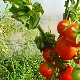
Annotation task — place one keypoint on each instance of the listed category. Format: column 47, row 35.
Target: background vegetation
column 19, row 58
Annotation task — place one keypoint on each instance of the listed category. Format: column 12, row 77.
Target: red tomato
column 72, row 43
column 48, row 54
column 69, row 69
column 45, row 70
column 65, row 51
column 47, row 79
column 65, row 76
column 62, row 26
column 70, row 33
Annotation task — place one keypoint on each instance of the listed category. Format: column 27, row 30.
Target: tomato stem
column 40, row 29
column 66, row 10
column 42, row 32
column 78, row 1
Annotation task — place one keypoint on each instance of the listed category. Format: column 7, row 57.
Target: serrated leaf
column 18, row 2
column 78, row 39
column 38, row 7
column 13, row 9
column 27, row 2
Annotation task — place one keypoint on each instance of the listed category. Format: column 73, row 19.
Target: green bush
column 20, row 67
column 19, row 60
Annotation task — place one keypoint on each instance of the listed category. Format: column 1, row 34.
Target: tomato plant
column 66, row 45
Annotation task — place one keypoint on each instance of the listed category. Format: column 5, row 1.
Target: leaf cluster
column 27, row 13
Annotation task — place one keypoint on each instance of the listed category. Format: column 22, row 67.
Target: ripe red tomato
column 45, row 70
column 70, row 33
column 72, row 43
column 61, row 27
column 48, row 54
column 47, row 79
column 69, row 69
column 67, row 74
column 65, row 51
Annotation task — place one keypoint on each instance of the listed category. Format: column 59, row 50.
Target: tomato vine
column 65, row 48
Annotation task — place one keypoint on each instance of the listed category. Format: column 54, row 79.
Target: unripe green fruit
column 76, row 72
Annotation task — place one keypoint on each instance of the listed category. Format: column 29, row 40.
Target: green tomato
column 76, row 72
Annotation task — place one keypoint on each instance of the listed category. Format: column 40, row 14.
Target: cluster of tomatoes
column 56, row 58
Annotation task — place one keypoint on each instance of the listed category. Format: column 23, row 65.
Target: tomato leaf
column 27, row 13
column 37, row 7
column 78, row 39
column 42, row 42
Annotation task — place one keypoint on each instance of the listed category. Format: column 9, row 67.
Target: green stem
column 66, row 10
column 42, row 32
column 40, row 29
column 4, row 67
column 72, row 1
column 78, row 1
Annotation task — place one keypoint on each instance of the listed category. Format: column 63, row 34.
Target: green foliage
column 72, row 11
column 23, row 63
column 20, row 67
column 19, row 60
column 48, row 40
column 27, row 13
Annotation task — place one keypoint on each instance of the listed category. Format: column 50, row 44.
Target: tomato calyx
column 49, row 54
column 74, row 31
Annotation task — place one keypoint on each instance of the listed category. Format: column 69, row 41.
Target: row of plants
column 19, row 59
